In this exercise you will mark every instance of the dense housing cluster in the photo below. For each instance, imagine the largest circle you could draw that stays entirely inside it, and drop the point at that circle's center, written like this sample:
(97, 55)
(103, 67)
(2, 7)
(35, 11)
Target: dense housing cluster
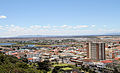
(98, 54)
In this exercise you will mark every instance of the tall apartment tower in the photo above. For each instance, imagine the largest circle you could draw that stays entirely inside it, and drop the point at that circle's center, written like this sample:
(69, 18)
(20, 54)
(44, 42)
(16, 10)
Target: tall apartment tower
(96, 50)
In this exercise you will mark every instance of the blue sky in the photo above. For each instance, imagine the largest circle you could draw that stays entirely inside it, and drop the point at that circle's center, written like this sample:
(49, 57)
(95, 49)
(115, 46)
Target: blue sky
(59, 17)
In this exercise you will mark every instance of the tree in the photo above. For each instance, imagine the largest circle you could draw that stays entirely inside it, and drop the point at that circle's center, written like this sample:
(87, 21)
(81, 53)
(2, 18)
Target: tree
(115, 70)
(45, 65)
(10, 64)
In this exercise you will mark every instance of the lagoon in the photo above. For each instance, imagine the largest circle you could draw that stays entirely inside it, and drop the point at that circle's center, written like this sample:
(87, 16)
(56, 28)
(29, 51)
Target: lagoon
(7, 43)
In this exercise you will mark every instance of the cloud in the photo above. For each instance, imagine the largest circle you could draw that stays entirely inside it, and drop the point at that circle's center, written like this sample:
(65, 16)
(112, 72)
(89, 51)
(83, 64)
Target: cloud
(1, 27)
(64, 26)
(3, 17)
(67, 27)
(80, 26)
(47, 27)
(93, 25)
(14, 30)
(104, 25)
(35, 26)
(74, 27)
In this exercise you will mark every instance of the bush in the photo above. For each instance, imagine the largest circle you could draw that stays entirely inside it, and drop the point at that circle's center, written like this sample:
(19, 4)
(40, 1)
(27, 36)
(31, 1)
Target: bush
(10, 64)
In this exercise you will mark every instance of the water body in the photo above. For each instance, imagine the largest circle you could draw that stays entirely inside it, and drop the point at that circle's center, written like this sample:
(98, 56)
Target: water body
(7, 43)
(118, 56)
(59, 46)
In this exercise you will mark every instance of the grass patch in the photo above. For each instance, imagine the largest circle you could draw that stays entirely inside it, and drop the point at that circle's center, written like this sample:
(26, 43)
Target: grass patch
(60, 65)
(67, 68)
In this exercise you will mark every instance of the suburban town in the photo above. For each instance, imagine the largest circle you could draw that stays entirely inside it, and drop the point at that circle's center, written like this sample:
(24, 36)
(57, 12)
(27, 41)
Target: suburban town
(99, 54)
(59, 36)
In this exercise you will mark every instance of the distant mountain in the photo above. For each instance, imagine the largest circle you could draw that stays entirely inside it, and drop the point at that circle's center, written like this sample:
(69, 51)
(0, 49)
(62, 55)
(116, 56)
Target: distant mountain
(63, 36)
(30, 36)
(113, 34)
(58, 36)
(35, 36)
(76, 36)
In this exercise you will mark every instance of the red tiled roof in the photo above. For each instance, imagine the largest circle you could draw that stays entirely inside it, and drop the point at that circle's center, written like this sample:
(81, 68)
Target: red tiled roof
(18, 57)
(30, 58)
(6, 52)
(14, 53)
(117, 58)
(107, 61)
(1, 50)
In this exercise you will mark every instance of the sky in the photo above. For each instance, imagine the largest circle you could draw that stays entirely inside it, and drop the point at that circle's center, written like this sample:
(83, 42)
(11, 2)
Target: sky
(59, 17)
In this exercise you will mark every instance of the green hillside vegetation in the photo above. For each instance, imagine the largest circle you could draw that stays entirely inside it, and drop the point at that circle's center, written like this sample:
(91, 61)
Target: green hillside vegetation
(10, 64)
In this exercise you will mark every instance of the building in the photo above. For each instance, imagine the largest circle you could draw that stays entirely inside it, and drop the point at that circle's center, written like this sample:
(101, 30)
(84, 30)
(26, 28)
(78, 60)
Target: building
(96, 50)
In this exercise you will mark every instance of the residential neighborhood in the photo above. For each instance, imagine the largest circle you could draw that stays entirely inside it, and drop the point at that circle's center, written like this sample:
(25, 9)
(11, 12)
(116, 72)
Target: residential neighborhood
(74, 52)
